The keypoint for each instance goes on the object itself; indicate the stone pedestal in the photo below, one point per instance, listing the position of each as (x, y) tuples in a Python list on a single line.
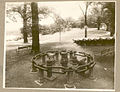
[(69, 76)]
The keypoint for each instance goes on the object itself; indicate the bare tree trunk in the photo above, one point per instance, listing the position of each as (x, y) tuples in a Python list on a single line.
[(98, 22), (35, 28), (107, 26), (86, 22), (25, 35), (98, 26), (112, 31), (85, 16), (112, 27)]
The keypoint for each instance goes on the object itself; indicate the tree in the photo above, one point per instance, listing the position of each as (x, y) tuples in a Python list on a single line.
[(25, 25), (85, 15), (109, 16), (24, 11), (97, 13), (59, 24), (91, 22), (35, 28)]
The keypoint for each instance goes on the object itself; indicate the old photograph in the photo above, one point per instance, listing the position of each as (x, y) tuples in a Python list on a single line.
[(60, 45)]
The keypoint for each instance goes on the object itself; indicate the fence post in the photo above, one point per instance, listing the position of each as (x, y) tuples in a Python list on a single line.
[(74, 60), (64, 59), (34, 69), (49, 70), (71, 54), (91, 69), (91, 76), (69, 79), (41, 77), (74, 53), (57, 55), (43, 58)]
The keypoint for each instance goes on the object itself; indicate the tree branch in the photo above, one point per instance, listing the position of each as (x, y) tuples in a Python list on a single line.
[(82, 10), (18, 10)]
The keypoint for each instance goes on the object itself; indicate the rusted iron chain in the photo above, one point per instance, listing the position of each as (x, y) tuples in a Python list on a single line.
[(80, 68), (65, 58)]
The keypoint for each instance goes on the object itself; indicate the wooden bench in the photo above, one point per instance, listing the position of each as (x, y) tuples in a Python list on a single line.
[(27, 47)]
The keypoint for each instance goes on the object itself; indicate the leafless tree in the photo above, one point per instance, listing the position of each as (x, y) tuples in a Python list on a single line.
[(85, 15)]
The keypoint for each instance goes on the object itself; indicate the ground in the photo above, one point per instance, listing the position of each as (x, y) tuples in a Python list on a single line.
[(18, 65)]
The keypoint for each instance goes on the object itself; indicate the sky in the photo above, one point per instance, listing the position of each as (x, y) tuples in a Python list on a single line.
[(62, 8), (65, 8)]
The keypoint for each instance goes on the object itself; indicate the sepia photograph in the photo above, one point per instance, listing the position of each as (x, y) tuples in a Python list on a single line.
[(59, 45)]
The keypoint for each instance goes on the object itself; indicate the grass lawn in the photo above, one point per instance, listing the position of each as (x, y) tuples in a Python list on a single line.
[(18, 65)]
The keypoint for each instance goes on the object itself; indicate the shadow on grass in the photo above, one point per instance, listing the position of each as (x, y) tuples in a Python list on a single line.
[(52, 46), (103, 71)]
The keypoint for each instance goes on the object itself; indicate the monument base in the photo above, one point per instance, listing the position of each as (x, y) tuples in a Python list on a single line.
[(93, 78), (31, 71), (40, 83), (51, 78), (67, 86)]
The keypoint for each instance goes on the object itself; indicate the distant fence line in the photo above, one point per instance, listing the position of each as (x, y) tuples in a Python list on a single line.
[(95, 42)]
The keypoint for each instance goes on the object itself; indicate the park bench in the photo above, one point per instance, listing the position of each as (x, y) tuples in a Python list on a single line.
[(26, 47)]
